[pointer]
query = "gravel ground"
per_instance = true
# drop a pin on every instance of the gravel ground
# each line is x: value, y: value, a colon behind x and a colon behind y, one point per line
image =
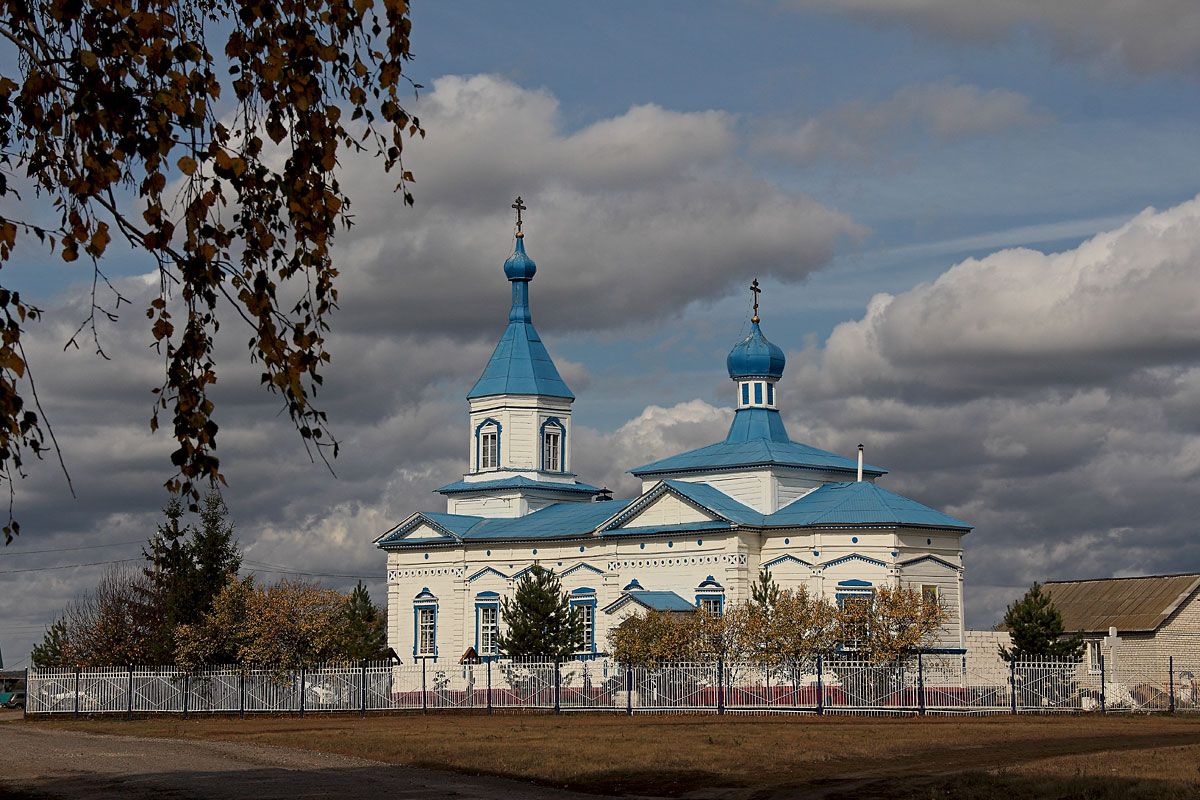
x: 67, y: 764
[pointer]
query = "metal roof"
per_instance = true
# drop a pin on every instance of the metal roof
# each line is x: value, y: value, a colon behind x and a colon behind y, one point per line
x: 517, y: 482
x: 559, y: 520
x: 1131, y: 605
x: 655, y: 601
x: 851, y: 504
x: 756, y: 437
x: 860, y: 503
x: 520, y: 363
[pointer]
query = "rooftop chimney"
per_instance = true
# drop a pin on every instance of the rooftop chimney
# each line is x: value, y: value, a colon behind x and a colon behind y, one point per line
x: 860, y: 457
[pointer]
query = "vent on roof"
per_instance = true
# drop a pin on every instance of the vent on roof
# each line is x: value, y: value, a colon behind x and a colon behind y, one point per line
x: 603, y: 495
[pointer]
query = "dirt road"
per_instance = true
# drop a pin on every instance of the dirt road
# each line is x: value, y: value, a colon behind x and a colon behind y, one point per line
x: 67, y: 764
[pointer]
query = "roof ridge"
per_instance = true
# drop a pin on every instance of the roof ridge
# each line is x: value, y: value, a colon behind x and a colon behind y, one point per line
x: 1126, y: 578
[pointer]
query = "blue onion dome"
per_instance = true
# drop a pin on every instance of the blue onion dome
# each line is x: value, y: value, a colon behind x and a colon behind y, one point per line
x: 755, y: 357
x: 519, y: 266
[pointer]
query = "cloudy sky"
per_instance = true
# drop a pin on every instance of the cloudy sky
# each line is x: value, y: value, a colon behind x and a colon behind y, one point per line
x: 976, y: 224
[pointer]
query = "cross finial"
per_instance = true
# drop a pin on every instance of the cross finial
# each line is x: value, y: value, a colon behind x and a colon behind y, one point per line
x: 754, y: 288
x: 519, y: 206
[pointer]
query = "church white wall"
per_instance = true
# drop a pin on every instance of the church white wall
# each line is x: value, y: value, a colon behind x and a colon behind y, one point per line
x: 667, y: 510
x: 521, y: 418
x: 751, y: 488
x: 678, y: 563
x: 789, y: 488
x: 764, y: 490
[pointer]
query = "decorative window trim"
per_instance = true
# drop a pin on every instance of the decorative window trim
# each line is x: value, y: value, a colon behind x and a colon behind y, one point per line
x: 479, y: 431
x: 554, y: 422
x: 424, y: 601
x: 585, y: 597
x: 490, y: 601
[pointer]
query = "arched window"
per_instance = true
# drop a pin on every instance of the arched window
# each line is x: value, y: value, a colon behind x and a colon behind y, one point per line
x: 425, y: 608
x: 583, y: 599
x: 487, y: 624
x: 710, y: 596
x: 554, y: 440
x: 487, y: 445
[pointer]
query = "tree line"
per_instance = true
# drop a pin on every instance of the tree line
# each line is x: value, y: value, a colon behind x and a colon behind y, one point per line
x: 773, y: 626
x: 185, y: 604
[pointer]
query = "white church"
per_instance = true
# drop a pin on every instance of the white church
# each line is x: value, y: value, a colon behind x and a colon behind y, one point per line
x: 705, y: 523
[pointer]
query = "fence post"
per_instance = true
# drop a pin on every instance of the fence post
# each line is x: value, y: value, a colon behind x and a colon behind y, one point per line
x: 362, y: 689
x: 241, y: 691
x: 720, y: 685
x: 1103, y: 699
x: 557, y: 683
x: 1012, y: 682
x: 629, y: 689
x: 489, y: 685
x: 129, y: 695
x: 920, y: 683
x: 77, y: 671
x: 1171, y: 682
x: 187, y: 691
x: 820, y: 684
x: 424, y: 692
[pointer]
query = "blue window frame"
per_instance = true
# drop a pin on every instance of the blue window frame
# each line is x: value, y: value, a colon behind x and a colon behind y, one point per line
x: 584, y: 599
x: 710, y: 596
x: 745, y: 394
x: 758, y: 393
x: 487, y: 449
x: 554, y: 445
x: 770, y: 394
x: 487, y: 624
x: 425, y: 608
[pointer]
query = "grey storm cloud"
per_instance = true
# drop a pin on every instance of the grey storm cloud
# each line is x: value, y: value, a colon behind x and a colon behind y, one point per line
x: 631, y: 209
x: 623, y: 212
x: 860, y: 131
x: 1144, y: 36
x: 1047, y: 398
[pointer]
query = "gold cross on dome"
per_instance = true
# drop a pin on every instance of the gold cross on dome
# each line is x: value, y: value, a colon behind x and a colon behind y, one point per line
x: 519, y: 206
x: 754, y: 288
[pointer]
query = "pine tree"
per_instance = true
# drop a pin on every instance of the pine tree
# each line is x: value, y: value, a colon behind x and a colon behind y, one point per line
x: 539, y: 620
x: 366, y: 630
x: 54, y: 650
x: 214, y: 553
x: 164, y: 601
x: 1036, y: 628
x: 764, y: 593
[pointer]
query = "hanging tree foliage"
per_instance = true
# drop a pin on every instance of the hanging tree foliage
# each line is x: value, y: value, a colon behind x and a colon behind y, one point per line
x: 206, y: 135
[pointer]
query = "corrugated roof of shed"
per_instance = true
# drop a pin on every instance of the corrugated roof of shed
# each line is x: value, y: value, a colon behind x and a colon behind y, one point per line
x: 1131, y: 605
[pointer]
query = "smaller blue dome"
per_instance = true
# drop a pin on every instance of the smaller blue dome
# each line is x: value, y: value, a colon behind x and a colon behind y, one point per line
x: 519, y: 266
x: 755, y: 357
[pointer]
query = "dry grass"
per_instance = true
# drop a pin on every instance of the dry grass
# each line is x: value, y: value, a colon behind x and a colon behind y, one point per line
x: 970, y: 758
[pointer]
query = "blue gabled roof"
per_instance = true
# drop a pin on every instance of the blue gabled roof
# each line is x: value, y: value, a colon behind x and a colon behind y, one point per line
x: 520, y: 364
x: 860, y: 503
x: 716, y: 500
x: 558, y: 520
x: 517, y: 482
x: 654, y: 530
x: 655, y: 601
x: 757, y: 437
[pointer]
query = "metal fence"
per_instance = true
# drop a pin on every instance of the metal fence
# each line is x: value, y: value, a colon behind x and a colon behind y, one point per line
x: 921, y: 684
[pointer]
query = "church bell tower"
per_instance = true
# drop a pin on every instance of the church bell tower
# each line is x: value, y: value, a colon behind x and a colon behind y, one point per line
x: 520, y: 418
